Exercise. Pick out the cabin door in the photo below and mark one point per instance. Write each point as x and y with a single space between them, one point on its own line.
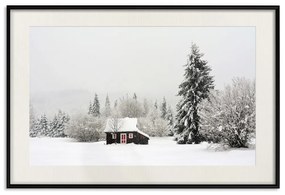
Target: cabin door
123 138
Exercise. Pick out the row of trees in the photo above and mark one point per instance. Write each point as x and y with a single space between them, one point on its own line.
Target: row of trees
152 120
127 107
42 126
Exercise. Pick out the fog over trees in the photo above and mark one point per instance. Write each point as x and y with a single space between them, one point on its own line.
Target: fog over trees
69 64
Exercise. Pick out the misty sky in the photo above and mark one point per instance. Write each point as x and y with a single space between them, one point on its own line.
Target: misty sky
121 60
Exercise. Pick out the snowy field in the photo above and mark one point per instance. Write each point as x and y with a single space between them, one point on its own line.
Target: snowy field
159 151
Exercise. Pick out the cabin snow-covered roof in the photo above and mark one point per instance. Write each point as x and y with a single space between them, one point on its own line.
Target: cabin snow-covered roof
123 125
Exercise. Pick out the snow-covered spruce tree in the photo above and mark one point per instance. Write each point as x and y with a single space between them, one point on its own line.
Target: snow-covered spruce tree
96 106
153 115
193 90
63 120
44 126
90 108
107 111
53 126
34 129
145 107
163 109
228 117
135 96
169 118
155 104
32 117
177 127
37 128
116 104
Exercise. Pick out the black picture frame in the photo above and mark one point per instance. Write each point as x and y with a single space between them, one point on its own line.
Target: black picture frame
144 7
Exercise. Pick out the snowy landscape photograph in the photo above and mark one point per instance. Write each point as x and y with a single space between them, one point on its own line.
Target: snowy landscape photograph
142 96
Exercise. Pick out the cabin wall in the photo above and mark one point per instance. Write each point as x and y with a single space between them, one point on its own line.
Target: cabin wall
140 139
109 139
137 138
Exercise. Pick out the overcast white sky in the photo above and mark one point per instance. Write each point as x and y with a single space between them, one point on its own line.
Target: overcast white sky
145 60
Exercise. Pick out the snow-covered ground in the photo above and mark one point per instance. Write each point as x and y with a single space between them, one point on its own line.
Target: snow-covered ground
159 151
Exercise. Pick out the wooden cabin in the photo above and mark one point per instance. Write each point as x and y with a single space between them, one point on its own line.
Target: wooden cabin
124 131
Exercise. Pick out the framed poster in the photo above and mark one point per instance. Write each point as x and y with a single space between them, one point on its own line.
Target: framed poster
143 96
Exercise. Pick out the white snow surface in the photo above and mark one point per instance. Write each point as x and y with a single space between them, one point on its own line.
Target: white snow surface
159 151
126 124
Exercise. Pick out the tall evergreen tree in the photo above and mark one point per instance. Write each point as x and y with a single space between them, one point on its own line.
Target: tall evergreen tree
96 106
44 126
35 129
170 121
163 109
32 117
54 126
116 104
135 97
63 119
90 111
107 107
145 107
155 105
195 87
